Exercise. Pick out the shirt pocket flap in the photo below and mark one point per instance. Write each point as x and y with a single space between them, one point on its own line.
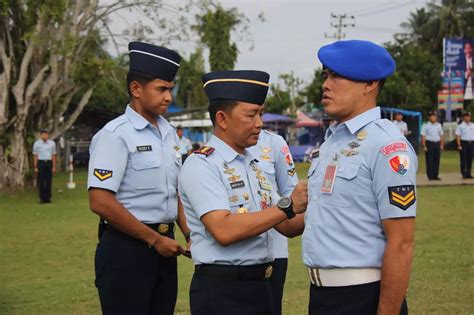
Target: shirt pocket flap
268 168
142 162
348 170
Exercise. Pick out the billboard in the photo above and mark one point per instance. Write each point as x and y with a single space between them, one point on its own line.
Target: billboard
457 56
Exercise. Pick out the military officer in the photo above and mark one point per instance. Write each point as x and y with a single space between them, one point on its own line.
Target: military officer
465 144
277 163
44 162
229 202
359 225
432 141
133 178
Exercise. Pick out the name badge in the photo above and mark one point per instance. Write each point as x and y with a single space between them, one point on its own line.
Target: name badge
237 184
144 148
329 177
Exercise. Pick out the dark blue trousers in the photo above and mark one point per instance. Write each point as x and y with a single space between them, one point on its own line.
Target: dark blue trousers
132 278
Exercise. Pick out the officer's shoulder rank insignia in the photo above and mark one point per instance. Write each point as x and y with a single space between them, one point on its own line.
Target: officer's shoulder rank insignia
205 150
402 196
102 174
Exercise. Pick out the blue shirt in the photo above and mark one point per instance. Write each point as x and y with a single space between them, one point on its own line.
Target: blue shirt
343 229
140 163
432 132
225 180
276 161
465 131
44 149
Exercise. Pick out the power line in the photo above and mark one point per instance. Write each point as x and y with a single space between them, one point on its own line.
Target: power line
386 9
339 22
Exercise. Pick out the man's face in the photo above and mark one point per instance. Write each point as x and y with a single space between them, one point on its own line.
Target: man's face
179 132
398 117
467 118
244 124
44 136
340 95
433 118
155 97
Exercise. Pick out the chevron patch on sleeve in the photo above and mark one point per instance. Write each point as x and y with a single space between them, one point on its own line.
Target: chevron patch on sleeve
102 174
402 196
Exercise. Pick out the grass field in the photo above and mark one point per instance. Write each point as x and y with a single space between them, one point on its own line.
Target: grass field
46 255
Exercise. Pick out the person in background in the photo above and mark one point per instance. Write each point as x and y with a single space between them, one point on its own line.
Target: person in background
398 121
432 141
44 154
185 146
465 144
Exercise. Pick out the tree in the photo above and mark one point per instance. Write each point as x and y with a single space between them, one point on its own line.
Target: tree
278 101
51 54
314 91
215 27
189 81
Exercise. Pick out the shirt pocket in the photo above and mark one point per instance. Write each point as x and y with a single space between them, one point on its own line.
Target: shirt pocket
145 171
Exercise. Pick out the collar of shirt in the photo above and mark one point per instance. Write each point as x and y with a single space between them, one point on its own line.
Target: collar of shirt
224 150
360 120
139 122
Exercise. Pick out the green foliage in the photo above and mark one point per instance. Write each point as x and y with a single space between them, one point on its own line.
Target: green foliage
415 84
314 91
215 27
189 81
279 100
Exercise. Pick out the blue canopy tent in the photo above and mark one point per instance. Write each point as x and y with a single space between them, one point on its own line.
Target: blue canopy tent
413 120
277 122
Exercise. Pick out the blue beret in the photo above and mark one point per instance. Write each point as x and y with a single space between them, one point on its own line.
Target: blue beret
157 62
248 86
357 60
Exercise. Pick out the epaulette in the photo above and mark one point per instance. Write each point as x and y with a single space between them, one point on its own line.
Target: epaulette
205 150
114 124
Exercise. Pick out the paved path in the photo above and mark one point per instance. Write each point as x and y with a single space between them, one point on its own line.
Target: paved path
447 179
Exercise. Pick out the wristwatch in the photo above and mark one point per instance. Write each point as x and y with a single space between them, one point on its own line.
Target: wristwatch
285 204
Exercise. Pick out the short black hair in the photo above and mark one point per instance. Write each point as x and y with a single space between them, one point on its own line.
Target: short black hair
140 77
220 105
179 128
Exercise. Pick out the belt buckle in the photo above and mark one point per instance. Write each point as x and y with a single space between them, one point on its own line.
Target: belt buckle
163 228
268 272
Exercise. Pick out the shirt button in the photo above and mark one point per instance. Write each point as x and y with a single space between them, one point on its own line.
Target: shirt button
341 169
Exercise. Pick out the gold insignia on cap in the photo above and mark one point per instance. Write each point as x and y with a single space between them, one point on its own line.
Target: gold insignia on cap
236 80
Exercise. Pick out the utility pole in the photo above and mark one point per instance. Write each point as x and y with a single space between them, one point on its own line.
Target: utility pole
339 22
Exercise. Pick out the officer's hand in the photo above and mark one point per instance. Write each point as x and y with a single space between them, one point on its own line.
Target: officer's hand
168 247
54 170
36 170
425 148
442 147
459 147
300 197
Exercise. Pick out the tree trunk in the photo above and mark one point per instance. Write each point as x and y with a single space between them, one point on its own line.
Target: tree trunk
14 169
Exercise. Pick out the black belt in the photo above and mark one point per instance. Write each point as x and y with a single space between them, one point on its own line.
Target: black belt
432 141
45 161
233 273
467 141
162 228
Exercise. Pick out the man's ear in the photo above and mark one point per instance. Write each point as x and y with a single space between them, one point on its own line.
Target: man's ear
136 89
222 119
370 87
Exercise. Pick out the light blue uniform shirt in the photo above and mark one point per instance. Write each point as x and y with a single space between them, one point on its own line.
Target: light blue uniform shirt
344 229
432 132
224 180
44 149
130 157
184 145
276 161
465 131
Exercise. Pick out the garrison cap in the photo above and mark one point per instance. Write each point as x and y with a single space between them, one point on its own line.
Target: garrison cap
158 62
432 113
357 60
466 113
44 130
250 86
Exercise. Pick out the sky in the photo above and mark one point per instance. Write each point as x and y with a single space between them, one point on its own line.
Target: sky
294 30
